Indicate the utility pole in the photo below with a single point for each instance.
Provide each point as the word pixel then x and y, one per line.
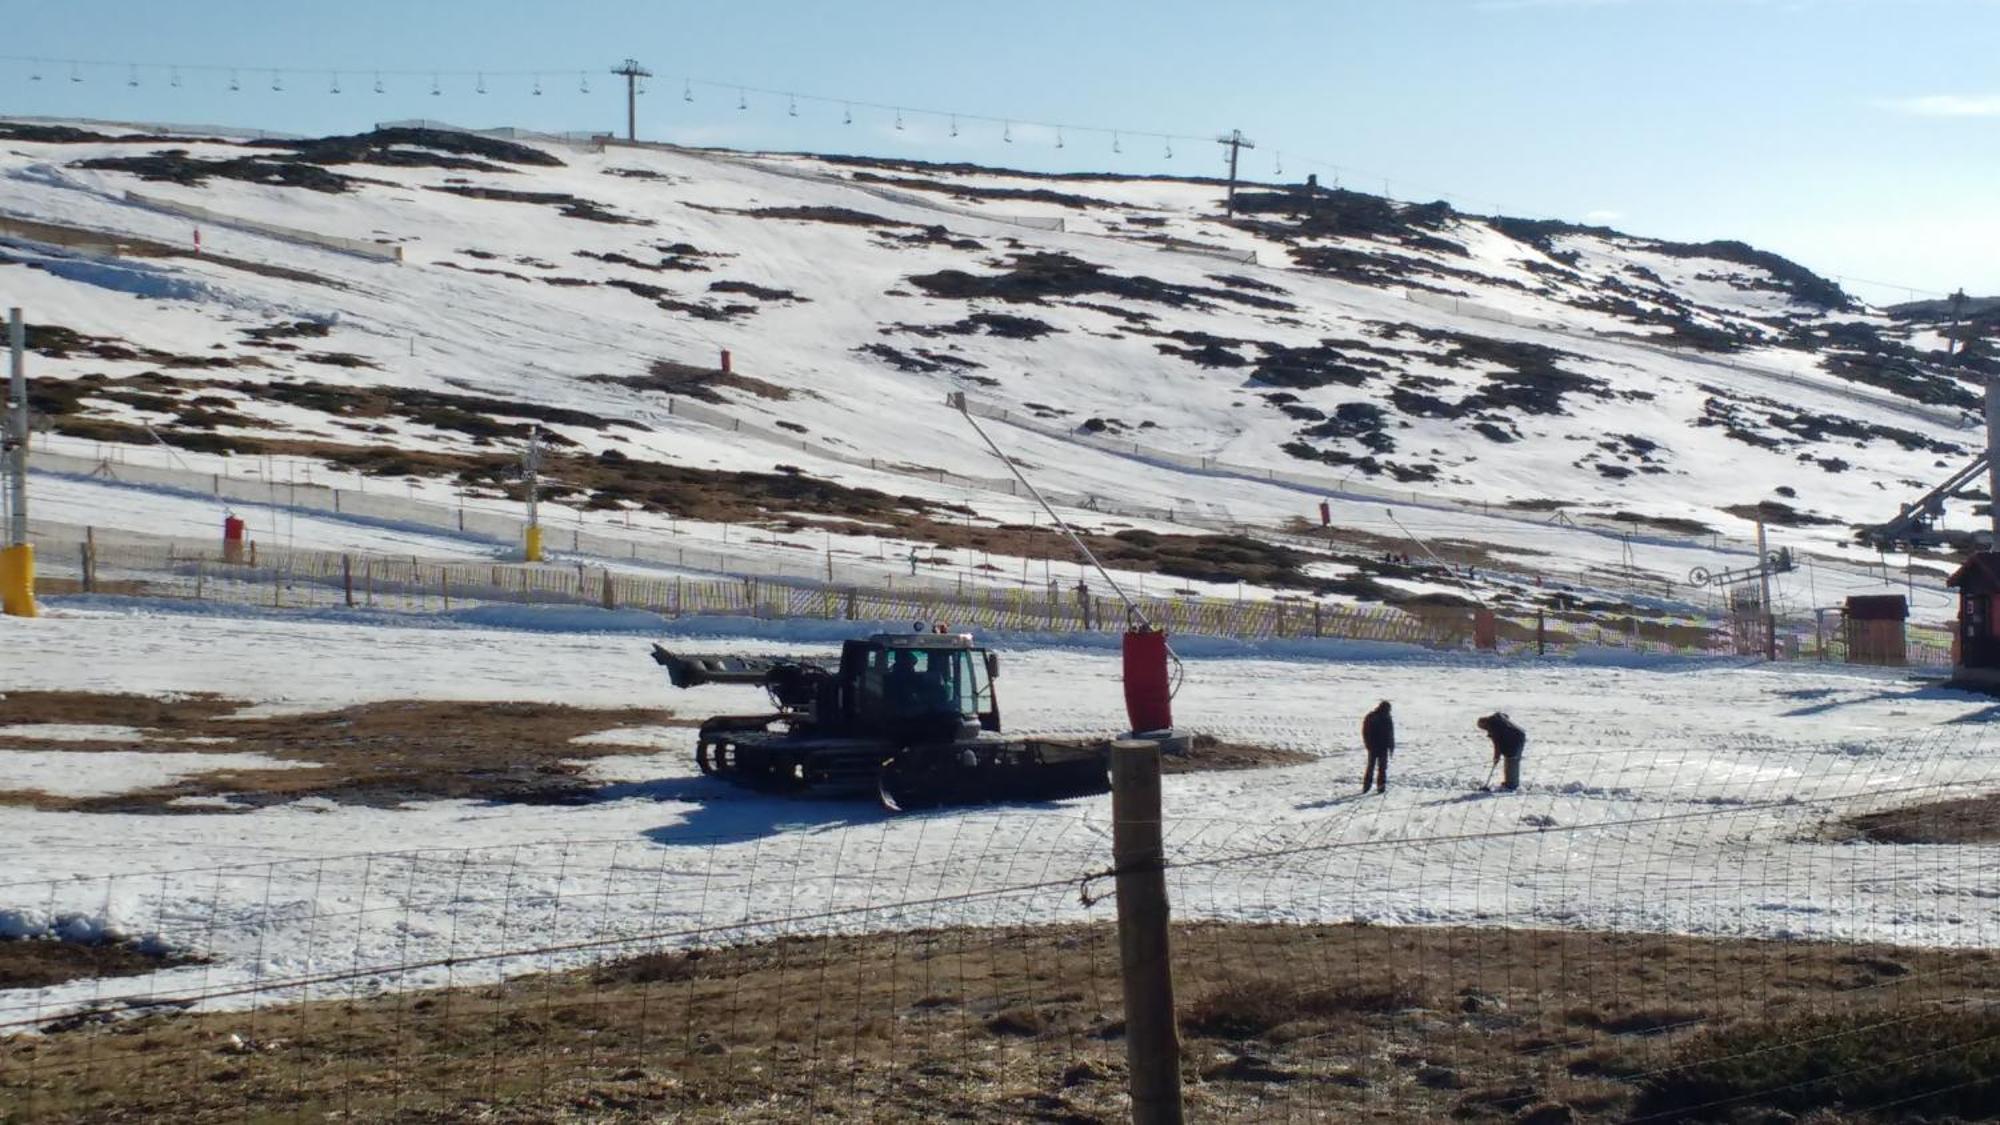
pixel 631 71
pixel 1237 142
pixel 1770 611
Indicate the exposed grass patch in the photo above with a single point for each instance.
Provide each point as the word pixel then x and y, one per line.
pixel 376 754
pixel 1210 753
pixel 1038 277
pixel 41 962
pixel 1279 1022
pixel 1246 1009
pixel 1966 820
pixel 1921 1065
pixel 568 205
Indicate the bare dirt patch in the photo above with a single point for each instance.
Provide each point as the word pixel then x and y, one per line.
pixel 1967 820
pixel 1212 754
pixel 375 754
pixel 40 962
pixel 1333 1023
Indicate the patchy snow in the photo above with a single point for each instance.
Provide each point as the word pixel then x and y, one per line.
pixel 103 773
pixel 1683 794
pixel 427 325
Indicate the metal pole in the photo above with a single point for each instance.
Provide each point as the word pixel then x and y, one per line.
pixel 534 467
pixel 1993 456
pixel 1770 611
pixel 1237 142
pixel 17 393
pixel 958 400
pixel 631 71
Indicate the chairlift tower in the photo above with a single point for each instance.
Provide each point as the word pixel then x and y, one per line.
pixel 1915 525
pixel 631 72
pixel 1237 142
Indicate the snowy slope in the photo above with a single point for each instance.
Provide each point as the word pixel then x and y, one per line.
pixel 1446 357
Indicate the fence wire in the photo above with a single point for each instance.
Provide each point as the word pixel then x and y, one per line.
pixel 1712 937
pixel 78 560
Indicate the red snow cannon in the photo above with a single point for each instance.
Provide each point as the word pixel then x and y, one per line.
pixel 232 539
pixel 1148 692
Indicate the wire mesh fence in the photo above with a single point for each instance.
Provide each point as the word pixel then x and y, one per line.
pixel 1762 929
pixel 80 560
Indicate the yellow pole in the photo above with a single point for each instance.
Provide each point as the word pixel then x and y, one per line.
pixel 17 580
pixel 533 548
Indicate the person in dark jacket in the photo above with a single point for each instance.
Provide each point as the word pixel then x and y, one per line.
pixel 1508 743
pixel 1378 734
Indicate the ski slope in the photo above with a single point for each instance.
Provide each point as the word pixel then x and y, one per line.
pixel 509 299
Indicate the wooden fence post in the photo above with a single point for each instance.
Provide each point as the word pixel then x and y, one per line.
pixel 1152 1041
pixel 610 596
pixel 89 560
pixel 347 578
pixel 197 579
pixel 1541 633
pixel 444 587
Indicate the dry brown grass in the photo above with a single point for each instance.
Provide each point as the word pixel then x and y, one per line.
pixel 1280 1022
pixel 1965 820
pixel 379 754
pixel 38 962
pixel 1211 754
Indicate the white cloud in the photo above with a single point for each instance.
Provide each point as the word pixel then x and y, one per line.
pixel 1945 105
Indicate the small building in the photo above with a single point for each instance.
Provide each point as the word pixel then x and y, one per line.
pixel 1873 624
pixel 1978 584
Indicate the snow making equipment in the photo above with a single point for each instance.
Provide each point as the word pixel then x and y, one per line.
pixel 1149 683
pixel 232 538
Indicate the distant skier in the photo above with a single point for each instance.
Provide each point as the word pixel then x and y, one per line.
pixel 1378 734
pixel 913 561
pixel 1508 742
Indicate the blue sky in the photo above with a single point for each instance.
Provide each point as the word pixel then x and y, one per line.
pixel 1857 136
